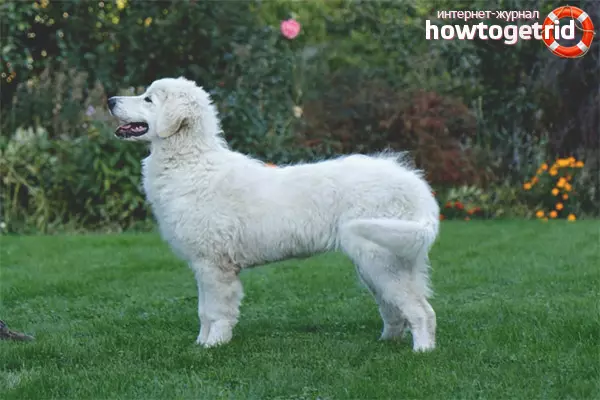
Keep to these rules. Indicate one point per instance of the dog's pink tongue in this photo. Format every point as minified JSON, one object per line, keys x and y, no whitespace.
{"x":125,"y":127}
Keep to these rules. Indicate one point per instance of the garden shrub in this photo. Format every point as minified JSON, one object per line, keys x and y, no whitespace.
{"x":551,"y":189}
{"x":365,"y":116}
{"x":116,"y":43}
{"x":253,"y":73}
{"x":499,"y":200}
{"x":65,"y":168}
{"x":89,"y":181}
{"x":464,"y":203}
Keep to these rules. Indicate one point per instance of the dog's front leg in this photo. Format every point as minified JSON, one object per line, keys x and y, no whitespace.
{"x":204,"y":321}
{"x":219,"y":296}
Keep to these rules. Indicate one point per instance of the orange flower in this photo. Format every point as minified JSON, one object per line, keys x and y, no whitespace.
{"x":449,"y":204}
{"x":559,"y":206}
{"x":544,"y":166}
{"x":553,"y":171}
{"x":571,"y":217}
{"x":568,"y":187}
{"x":579,"y":164}
{"x":565,"y":196}
{"x":534,"y":180}
{"x":553,"y":214}
{"x":561,"y":182}
{"x":555,"y":192}
{"x":539,"y":214}
{"x":527,"y":186}
{"x":459,"y":205}
{"x":442,"y":217}
{"x":562,"y":162}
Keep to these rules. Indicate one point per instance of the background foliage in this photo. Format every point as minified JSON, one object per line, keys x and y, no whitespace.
{"x":479,"y":116}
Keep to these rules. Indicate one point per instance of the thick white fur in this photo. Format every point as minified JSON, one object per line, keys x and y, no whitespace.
{"x":223,"y":211}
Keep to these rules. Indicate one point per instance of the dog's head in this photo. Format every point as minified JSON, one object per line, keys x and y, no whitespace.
{"x":167,"y":106}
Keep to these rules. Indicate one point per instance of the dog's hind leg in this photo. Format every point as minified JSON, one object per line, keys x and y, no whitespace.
{"x":402,"y":300}
{"x":394,"y":322}
{"x":399,"y":286}
{"x":220,"y":293}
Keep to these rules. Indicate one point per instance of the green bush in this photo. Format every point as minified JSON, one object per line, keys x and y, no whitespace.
{"x":125,"y":43}
{"x":67,"y":169}
{"x":253,"y":72}
{"x":78,"y":182}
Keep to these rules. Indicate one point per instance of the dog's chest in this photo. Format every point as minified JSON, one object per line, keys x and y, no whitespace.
{"x":177,"y":205}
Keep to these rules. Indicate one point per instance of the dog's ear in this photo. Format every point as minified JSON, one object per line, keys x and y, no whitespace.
{"x":170,"y":119}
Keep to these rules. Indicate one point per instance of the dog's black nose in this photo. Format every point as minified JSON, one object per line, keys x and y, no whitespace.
{"x":111,"y":103}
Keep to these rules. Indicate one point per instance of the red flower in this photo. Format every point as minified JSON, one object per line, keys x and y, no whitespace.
{"x":442,"y":217}
{"x":459,"y":205}
{"x":290,"y":28}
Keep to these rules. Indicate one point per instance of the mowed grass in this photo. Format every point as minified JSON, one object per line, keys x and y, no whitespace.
{"x":115,"y":318}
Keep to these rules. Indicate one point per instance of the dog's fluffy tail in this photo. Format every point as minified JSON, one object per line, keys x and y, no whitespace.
{"x":410,"y":240}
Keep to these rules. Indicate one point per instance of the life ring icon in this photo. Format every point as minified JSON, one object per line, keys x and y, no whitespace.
{"x":588,"y":32}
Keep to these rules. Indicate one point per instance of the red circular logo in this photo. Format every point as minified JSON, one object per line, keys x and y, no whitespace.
{"x":588,"y":32}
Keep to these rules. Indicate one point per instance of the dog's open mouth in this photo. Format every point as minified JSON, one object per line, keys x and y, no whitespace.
{"x":132,"y":129}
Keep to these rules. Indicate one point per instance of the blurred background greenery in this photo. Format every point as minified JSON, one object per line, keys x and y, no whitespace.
{"x":480,"y":117}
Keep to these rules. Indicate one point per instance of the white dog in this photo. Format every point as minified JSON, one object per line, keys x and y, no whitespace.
{"x":223,"y":211}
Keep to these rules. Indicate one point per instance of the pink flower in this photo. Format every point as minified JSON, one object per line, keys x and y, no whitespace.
{"x":290,"y":28}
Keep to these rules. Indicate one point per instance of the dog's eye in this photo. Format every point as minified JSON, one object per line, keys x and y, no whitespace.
{"x":147,"y":99}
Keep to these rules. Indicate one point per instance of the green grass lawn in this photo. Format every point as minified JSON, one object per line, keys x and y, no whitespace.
{"x":115,"y":318}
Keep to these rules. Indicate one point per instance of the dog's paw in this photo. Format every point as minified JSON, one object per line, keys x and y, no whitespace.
{"x":204,"y":332}
{"x":220,"y":333}
{"x":200,"y":340}
{"x":421,"y":344}
{"x":214,"y":343}
{"x":423,"y":348}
